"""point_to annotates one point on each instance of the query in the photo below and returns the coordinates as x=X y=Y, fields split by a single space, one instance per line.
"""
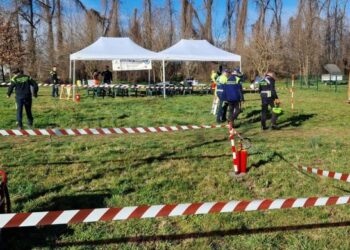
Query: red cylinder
x=238 y=161
x=77 y=98
x=243 y=161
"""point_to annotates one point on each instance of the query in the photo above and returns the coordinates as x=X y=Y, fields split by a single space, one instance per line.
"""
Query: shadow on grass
x=293 y=121
x=179 y=237
x=296 y=121
x=263 y=162
x=48 y=235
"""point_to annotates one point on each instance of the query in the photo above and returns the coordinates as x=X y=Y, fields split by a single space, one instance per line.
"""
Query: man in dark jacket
x=24 y=85
x=233 y=95
x=107 y=76
x=269 y=97
x=54 y=81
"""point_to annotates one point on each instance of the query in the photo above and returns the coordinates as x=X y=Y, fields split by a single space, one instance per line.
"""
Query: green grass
x=192 y=166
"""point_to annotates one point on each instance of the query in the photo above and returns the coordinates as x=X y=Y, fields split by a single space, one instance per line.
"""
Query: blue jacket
x=267 y=89
x=232 y=90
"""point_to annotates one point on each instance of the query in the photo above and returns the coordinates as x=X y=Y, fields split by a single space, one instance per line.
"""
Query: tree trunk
x=3 y=73
x=59 y=28
x=31 y=41
x=114 y=28
x=208 y=21
x=184 y=21
x=147 y=23
x=228 y=23
x=241 y=23
x=169 y=6
x=50 y=39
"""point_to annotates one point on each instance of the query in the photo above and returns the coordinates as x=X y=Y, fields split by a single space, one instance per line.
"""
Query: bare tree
x=11 y=52
x=276 y=7
x=113 y=28
x=208 y=32
x=228 y=22
x=263 y=6
x=49 y=11
x=147 y=24
x=59 y=27
x=241 y=25
x=170 y=9
x=135 y=28
x=28 y=15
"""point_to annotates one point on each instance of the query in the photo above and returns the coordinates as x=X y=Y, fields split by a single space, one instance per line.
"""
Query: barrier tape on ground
x=101 y=131
x=155 y=211
x=121 y=86
x=329 y=174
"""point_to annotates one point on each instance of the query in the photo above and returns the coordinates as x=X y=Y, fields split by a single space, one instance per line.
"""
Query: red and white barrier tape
x=120 y=86
x=143 y=212
x=100 y=131
x=329 y=174
x=233 y=148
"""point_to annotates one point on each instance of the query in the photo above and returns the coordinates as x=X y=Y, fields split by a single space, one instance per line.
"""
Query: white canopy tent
x=111 y=48
x=196 y=50
x=108 y=49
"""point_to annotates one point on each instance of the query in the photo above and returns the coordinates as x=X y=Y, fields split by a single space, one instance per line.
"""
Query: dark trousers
x=222 y=110
x=265 y=110
x=233 y=110
x=27 y=103
x=55 y=90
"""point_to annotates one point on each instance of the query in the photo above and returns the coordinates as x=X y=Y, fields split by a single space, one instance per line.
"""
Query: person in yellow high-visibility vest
x=221 y=80
x=213 y=78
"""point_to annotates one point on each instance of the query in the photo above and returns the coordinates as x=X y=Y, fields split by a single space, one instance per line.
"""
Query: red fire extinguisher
x=242 y=159
x=77 y=97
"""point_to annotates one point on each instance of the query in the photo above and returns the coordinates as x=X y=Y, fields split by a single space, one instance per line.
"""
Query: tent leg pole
x=74 y=80
x=149 y=77
x=70 y=70
x=163 y=64
x=240 y=65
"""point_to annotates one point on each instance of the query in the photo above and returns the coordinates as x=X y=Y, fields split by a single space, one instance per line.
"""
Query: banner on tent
x=127 y=65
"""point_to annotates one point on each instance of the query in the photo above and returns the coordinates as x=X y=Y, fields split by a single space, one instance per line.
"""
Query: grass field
x=116 y=171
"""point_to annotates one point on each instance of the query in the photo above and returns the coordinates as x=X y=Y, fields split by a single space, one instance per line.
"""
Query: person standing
x=24 y=85
x=54 y=81
x=233 y=96
x=269 y=98
x=221 y=81
x=107 y=76
x=96 y=76
x=213 y=78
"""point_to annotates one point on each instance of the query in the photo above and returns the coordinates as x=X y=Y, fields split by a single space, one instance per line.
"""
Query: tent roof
x=333 y=69
x=112 y=48
x=197 y=50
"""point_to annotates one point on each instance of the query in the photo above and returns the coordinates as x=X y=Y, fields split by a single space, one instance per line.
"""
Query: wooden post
x=292 y=94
